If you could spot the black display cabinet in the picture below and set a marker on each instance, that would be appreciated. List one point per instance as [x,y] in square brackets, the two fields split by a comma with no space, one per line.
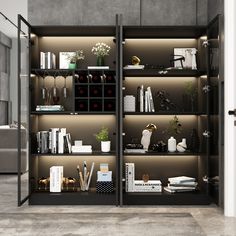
[95,99]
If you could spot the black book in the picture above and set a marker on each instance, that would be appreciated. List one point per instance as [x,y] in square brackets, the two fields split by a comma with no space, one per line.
[138,99]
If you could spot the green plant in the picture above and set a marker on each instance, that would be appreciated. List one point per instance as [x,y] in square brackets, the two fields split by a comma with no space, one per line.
[174,127]
[190,89]
[102,135]
[76,56]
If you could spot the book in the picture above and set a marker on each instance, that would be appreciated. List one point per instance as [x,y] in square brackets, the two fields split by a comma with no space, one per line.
[138,99]
[146,102]
[61,145]
[42,60]
[181,179]
[54,140]
[68,144]
[185,184]
[152,109]
[98,67]
[130,150]
[49,108]
[134,67]
[129,177]
[171,190]
[56,178]
[141,98]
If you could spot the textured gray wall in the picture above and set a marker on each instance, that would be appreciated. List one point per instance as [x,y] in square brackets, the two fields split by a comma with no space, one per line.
[215,7]
[5,45]
[102,12]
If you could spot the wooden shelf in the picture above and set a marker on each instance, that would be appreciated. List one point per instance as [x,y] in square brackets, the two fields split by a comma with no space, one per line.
[94,153]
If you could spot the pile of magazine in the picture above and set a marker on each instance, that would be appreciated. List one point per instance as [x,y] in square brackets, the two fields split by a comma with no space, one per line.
[49,108]
[181,184]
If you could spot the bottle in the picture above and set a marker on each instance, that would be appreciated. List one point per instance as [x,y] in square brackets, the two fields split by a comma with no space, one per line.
[171,144]
[182,146]
[110,91]
[95,91]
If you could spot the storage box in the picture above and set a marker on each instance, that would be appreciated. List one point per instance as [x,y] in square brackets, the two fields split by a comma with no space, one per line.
[104,187]
[104,176]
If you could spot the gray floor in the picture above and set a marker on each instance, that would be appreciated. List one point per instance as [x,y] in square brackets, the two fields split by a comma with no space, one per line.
[107,220]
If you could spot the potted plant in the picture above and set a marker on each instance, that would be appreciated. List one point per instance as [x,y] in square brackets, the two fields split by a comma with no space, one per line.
[103,137]
[74,58]
[101,50]
[173,130]
[190,96]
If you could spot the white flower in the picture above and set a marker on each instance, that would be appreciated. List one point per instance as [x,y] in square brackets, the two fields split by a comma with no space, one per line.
[101,49]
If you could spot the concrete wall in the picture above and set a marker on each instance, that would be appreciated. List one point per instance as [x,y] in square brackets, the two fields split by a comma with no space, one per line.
[215,7]
[102,12]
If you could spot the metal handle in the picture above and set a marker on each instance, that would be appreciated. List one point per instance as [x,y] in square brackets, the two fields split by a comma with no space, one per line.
[232,112]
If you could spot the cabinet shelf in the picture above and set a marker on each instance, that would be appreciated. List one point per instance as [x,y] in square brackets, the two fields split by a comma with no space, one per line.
[165,198]
[51,72]
[150,153]
[94,153]
[72,113]
[72,198]
[165,113]
[170,73]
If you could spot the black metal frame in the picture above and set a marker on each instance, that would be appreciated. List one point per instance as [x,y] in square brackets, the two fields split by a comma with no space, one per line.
[129,32]
[21,19]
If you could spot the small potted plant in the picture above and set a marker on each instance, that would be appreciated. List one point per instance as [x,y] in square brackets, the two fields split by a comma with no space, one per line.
[74,58]
[101,50]
[103,137]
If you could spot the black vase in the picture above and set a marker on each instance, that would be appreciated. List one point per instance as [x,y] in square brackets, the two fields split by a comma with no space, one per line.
[194,141]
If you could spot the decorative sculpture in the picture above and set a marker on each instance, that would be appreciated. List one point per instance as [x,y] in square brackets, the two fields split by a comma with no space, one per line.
[147,133]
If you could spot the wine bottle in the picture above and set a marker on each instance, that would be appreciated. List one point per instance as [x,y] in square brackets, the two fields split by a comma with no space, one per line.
[110,91]
[95,105]
[95,91]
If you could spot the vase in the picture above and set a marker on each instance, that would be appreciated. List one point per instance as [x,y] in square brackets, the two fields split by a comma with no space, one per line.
[182,146]
[100,61]
[171,144]
[105,146]
[72,66]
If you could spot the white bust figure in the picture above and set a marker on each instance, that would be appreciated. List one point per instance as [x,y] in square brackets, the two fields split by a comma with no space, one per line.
[147,133]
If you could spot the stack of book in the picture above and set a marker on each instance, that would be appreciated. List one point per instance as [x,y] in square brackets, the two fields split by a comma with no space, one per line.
[55,141]
[134,67]
[47,60]
[181,184]
[49,108]
[145,100]
[132,185]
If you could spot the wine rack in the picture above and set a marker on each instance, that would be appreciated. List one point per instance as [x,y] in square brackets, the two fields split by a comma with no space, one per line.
[95,91]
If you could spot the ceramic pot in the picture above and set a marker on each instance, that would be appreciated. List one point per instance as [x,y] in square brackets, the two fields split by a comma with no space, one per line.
[105,146]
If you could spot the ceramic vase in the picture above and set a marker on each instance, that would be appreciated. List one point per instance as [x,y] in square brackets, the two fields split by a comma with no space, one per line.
[171,144]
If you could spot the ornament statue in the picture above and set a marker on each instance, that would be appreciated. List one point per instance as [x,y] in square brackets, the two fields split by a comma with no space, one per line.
[147,133]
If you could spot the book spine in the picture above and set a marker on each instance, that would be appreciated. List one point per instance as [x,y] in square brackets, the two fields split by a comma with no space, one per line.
[129,177]
[138,99]
[152,108]
[56,178]
[146,101]
[42,60]
[141,99]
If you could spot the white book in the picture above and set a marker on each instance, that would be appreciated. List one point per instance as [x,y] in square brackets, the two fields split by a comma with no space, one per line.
[56,178]
[146,101]
[170,190]
[54,138]
[134,150]
[129,177]
[42,60]
[181,179]
[98,67]
[149,183]
[141,98]
[61,144]
[155,188]
[152,109]
[134,67]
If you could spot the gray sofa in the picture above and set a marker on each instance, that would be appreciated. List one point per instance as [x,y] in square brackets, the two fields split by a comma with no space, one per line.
[8,150]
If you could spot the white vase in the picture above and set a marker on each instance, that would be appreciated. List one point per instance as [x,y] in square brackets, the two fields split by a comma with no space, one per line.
[106,146]
[182,146]
[171,144]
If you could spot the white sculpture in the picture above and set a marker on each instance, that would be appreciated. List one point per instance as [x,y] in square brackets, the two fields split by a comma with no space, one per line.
[147,133]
